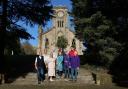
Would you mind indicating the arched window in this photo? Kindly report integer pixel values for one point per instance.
(74, 43)
(46, 43)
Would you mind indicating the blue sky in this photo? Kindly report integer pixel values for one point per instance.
(34, 30)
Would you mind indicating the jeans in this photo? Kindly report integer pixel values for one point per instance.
(59, 73)
(40, 74)
(66, 72)
(74, 73)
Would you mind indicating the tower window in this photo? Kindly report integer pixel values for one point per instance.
(62, 23)
(58, 23)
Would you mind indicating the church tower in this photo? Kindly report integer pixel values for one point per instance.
(60, 20)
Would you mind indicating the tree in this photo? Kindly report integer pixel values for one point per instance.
(29, 11)
(113, 10)
(28, 49)
(62, 42)
(94, 28)
(101, 42)
(80, 10)
(118, 68)
(103, 25)
(13, 45)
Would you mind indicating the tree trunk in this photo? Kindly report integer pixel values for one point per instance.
(2, 39)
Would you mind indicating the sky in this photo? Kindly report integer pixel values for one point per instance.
(34, 30)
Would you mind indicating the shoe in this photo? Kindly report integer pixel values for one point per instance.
(42, 81)
(51, 80)
(58, 77)
(66, 79)
(39, 82)
(74, 80)
(70, 79)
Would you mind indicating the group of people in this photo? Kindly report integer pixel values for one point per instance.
(66, 64)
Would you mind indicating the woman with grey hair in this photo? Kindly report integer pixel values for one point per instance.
(51, 67)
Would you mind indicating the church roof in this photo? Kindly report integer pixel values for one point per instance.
(48, 30)
(60, 7)
(71, 31)
(54, 27)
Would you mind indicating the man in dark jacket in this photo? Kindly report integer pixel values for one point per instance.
(40, 67)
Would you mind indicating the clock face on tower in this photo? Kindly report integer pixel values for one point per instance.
(60, 14)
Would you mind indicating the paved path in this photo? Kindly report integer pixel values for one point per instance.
(84, 77)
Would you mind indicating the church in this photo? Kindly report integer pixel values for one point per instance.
(47, 40)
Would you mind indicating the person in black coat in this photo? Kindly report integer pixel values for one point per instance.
(40, 67)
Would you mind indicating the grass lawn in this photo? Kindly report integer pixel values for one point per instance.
(60, 87)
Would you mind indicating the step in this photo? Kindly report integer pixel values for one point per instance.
(84, 77)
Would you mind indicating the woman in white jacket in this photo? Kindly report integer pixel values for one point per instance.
(51, 67)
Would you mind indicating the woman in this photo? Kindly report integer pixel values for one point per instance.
(59, 64)
(51, 67)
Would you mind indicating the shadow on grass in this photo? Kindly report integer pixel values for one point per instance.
(18, 66)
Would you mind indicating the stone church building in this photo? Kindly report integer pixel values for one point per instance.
(47, 40)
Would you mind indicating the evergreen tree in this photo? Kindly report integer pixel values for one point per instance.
(94, 28)
(30, 12)
(99, 34)
(62, 42)
(103, 25)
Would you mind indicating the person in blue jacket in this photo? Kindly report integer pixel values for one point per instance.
(59, 64)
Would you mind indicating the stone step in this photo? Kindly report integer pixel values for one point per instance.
(56, 82)
(84, 77)
(34, 80)
(87, 77)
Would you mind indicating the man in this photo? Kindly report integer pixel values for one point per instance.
(74, 63)
(40, 67)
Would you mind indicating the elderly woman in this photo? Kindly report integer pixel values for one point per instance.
(51, 67)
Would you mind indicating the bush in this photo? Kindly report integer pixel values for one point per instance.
(19, 65)
(118, 68)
